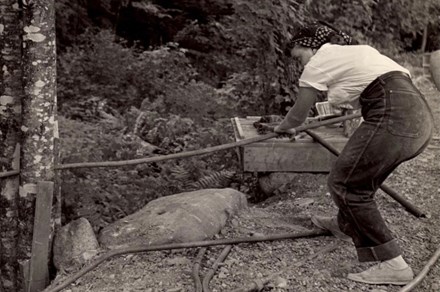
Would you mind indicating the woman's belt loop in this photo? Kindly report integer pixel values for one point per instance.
(382, 80)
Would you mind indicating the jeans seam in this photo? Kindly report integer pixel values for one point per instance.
(363, 150)
(354, 166)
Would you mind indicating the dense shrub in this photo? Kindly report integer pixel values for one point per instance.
(93, 68)
(393, 26)
(103, 195)
(243, 55)
(123, 77)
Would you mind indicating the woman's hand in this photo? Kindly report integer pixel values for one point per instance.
(281, 129)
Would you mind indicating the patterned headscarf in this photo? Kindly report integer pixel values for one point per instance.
(314, 36)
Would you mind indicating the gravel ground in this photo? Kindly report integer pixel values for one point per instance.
(306, 264)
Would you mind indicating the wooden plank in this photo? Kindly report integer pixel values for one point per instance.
(426, 65)
(238, 150)
(38, 271)
(234, 127)
(239, 128)
(434, 62)
(296, 157)
(24, 272)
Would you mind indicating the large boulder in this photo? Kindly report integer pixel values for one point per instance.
(74, 244)
(183, 217)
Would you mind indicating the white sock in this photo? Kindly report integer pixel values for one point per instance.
(397, 263)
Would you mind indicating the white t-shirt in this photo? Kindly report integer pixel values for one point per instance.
(345, 71)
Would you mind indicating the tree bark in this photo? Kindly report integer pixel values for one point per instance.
(39, 130)
(11, 94)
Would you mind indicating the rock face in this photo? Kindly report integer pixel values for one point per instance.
(75, 243)
(184, 217)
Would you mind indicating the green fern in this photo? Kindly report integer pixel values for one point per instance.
(218, 179)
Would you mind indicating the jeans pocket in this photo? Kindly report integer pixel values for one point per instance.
(406, 113)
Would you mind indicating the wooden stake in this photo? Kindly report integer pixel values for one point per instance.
(38, 268)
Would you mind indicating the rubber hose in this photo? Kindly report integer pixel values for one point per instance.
(143, 248)
(196, 270)
(211, 272)
(9, 173)
(205, 150)
(417, 280)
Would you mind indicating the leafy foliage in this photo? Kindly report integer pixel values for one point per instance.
(391, 25)
(243, 55)
(219, 179)
(153, 105)
(89, 69)
(71, 21)
(128, 188)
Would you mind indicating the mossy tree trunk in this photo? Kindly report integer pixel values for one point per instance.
(39, 129)
(11, 94)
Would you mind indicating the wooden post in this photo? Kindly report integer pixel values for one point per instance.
(434, 67)
(425, 65)
(39, 270)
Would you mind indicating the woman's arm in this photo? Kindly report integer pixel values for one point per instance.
(307, 96)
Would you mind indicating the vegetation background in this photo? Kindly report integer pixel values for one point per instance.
(140, 78)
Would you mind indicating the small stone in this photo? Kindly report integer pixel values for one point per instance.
(435, 286)
(302, 202)
(280, 282)
(178, 289)
(178, 261)
(224, 270)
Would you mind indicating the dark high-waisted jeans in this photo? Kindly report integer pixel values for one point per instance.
(397, 127)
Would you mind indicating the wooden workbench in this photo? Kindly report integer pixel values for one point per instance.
(282, 155)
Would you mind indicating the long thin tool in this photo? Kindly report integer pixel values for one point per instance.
(401, 200)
